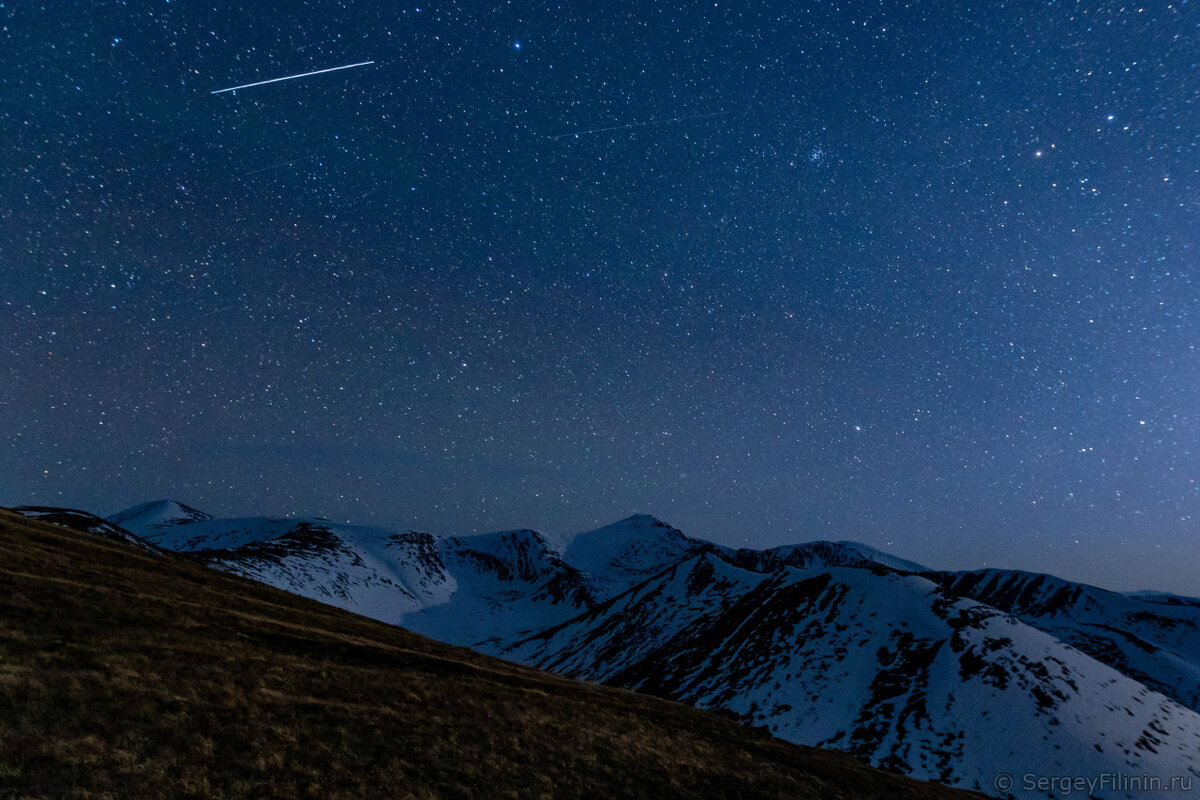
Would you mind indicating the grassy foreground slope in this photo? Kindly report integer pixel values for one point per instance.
(133, 675)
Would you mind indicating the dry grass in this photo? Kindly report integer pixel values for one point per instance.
(128, 675)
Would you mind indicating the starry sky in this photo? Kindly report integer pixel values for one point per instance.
(921, 275)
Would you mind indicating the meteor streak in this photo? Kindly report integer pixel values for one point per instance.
(290, 77)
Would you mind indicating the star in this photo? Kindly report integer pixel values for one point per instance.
(653, 263)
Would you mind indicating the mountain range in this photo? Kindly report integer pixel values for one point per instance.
(130, 672)
(958, 677)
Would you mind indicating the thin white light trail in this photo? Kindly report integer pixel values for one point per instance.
(290, 77)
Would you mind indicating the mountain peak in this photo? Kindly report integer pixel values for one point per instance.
(628, 551)
(635, 523)
(159, 512)
(643, 520)
(822, 553)
(81, 521)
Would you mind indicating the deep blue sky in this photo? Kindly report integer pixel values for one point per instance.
(920, 275)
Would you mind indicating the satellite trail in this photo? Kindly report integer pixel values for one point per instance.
(640, 124)
(290, 77)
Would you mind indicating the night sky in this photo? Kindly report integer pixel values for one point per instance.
(921, 275)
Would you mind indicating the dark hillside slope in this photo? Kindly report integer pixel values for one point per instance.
(132, 674)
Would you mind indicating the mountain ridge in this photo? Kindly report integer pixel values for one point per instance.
(639, 604)
(145, 675)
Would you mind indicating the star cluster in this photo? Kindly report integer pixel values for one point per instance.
(919, 275)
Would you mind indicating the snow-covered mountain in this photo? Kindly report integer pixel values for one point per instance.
(84, 521)
(1153, 638)
(821, 554)
(500, 583)
(622, 555)
(155, 518)
(957, 677)
(887, 666)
